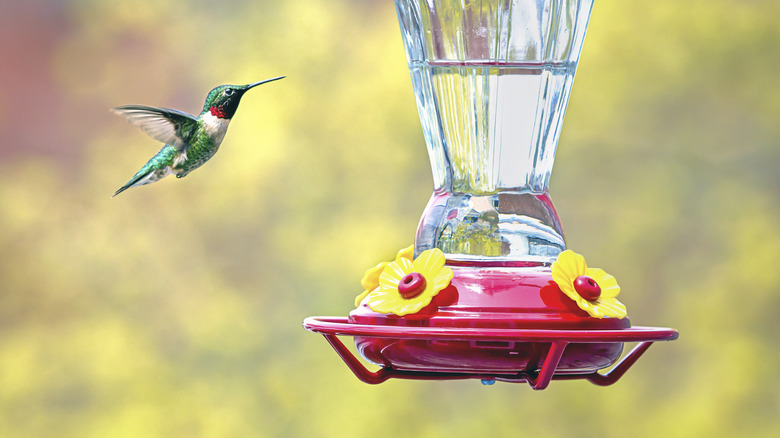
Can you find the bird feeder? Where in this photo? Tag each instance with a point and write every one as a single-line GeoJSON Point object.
{"type": "Point", "coordinates": [489, 290]}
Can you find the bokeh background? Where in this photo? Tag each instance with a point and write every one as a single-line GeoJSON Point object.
{"type": "Point", "coordinates": [175, 309]}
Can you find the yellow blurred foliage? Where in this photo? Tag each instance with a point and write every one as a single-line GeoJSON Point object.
{"type": "Point", "coordinates": [175, 309]}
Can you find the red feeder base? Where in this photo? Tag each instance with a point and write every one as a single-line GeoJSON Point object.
{"type": "Point", "coordinates": [508, 324]}
{"type": "Point", "coordinates": [549, 346]}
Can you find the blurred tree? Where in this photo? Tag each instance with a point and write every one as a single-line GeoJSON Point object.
{"type": "Point", "coordinates": [175, 311]}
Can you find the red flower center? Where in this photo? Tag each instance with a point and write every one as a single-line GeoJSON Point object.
{"type": "Point", "coordinates": [411, 285]}
{"type": "Point", "coordinates": [587, 288]}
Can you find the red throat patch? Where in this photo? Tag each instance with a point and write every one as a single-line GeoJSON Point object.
{"type": "Point", "coordinates": [217, 112]}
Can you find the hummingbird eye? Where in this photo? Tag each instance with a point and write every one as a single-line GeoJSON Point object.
{"type": "Point", "coordinates": [228, 91]}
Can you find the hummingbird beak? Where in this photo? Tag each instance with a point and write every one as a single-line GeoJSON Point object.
{"type": "Point", "coordinates": [262, 82]}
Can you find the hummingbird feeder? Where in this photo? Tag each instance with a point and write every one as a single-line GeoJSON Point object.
{"type": "Point", "coordinates": [488, 290]}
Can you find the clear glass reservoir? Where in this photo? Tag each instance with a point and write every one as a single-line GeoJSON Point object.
{"type": "Point", "coordinates": [492, 80]}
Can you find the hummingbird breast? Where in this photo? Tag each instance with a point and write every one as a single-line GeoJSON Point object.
{"type": "Point", "coordinates": [203, 145]}
{"type": "Point", "coordinates": [215, 127]}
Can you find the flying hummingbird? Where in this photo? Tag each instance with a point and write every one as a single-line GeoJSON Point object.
{"type": "Point", "coordinates": [189, 141]}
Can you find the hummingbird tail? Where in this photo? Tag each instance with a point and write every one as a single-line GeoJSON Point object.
{"type": "Point", "coordinates": [134, 181]}
{"type": "Point", "coordinates": [124, 187]}
{"type": "Point", "coordinates": [144, 177]}
{"type": "Point", "coordinates": [159, 166]}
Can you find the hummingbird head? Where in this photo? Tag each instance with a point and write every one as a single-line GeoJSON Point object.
{"type": "Point", "coordinates": [223, 101]}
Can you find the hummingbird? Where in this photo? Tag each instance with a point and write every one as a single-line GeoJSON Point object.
{"type": "Point", "coordinates": [189, 141]}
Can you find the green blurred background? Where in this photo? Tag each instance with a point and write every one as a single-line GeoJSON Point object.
{"type": "Point", "coordinates": [175, 309]}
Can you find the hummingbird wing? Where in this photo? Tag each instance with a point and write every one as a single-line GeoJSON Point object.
{"type": "Point", "coordinates": [166, 125]}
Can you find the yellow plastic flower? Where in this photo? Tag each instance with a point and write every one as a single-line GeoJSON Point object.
{"type": "Point", "coordinates": [592, 289]}
{"type": "Point", "coordinates": [407, 253]}
{"type": "Point", "coordinates": [370, 280]}
{"type": "Point", "coordinates": [406, 286]}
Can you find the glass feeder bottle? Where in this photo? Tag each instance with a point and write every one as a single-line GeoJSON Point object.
{"type": "Point", "coordinates": [492, 81]}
